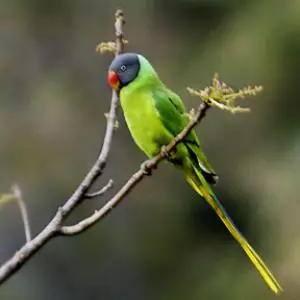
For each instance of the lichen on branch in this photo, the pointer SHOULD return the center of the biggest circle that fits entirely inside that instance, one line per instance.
(223, 96)
(105, 47)
(6, 198)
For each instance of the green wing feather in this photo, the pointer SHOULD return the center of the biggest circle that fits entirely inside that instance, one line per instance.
(172, 113)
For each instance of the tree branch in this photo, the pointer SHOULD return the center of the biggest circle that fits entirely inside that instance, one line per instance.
(53, 227)
(219, 92)
(135, 178)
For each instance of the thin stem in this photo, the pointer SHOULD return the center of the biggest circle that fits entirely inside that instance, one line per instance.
(23, 210)
(101, 192)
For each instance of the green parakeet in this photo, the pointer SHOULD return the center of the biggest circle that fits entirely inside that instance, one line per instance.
(155, 115)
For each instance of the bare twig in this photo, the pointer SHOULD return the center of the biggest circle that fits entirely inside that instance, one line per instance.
(135, 178)
(117, 46)
(18, 195)
(53, 227)
(101, 191)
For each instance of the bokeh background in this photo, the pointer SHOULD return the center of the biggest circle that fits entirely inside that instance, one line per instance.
(163, 241)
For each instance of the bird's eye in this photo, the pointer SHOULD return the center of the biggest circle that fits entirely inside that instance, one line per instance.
(123, 68)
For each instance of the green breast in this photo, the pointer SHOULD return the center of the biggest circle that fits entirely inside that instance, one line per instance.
(143, 121)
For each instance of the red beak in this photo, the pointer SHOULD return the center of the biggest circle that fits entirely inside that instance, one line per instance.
(113, 80)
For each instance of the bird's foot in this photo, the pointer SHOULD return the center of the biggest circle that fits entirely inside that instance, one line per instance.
(168, 154)
(145, 168)
(164, 151)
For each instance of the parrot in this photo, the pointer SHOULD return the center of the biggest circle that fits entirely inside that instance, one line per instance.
(154, 115)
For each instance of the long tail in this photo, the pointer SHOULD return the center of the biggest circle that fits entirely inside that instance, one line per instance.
(205, 191)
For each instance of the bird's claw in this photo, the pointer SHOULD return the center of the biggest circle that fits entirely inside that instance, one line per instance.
(145, 168)
(168, 154)
(164, 151)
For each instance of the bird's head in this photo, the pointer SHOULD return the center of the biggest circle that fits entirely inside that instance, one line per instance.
(123, 70)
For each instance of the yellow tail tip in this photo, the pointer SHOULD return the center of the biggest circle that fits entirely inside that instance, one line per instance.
(259, 264)
(276, 287)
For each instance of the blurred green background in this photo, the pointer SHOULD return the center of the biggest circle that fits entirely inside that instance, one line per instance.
(163, 242)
